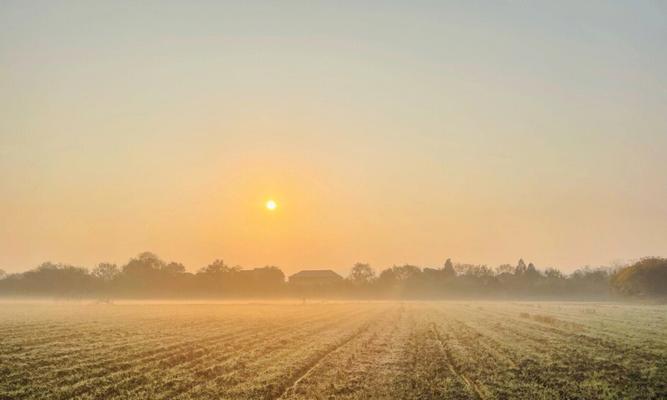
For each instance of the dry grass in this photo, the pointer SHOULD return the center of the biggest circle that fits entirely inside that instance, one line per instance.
(545, 319)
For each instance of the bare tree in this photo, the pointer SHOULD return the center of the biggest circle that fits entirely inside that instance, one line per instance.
(106, 271)
(448, 269)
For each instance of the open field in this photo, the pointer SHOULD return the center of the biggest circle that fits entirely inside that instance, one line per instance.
(415, 350)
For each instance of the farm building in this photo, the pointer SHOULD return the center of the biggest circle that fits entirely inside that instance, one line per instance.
(315, 277)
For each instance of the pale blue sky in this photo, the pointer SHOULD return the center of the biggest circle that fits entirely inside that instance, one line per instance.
(388, 132)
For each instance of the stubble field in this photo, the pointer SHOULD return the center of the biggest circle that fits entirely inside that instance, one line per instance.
(356, 350)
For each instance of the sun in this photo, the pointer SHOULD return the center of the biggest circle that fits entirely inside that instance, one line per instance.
(271, 205)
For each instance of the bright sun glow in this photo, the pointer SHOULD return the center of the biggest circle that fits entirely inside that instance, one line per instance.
(271, 205)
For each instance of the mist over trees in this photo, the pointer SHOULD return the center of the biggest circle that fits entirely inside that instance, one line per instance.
(148, 276)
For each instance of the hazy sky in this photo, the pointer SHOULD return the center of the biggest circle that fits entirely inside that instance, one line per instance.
(386, 132)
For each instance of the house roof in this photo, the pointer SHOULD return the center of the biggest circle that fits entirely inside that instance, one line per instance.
(316, 273)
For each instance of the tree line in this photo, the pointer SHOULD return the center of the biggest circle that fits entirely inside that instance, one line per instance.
(148, 276)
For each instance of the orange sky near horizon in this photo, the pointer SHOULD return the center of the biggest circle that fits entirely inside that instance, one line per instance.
(386, 134)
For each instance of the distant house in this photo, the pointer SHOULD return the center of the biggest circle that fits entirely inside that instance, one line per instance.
(315, 277)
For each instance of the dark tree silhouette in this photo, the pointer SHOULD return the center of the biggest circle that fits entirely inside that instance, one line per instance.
(146, 275)
(520, 267)
(216, 267)
(362, 274)
(448, 269)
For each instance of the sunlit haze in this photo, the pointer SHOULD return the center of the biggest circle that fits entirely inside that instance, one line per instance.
(316, 135)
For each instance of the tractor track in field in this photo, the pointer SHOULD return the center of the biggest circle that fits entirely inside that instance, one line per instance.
(315, 332)
(307, 369)
(452, 366)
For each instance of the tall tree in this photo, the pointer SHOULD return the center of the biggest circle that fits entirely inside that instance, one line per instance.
(216, 267)
(448, 269)
(520, 267)
(173, 268)
(145, 262)
(532, 272)
(647, 277)
(361, 274)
